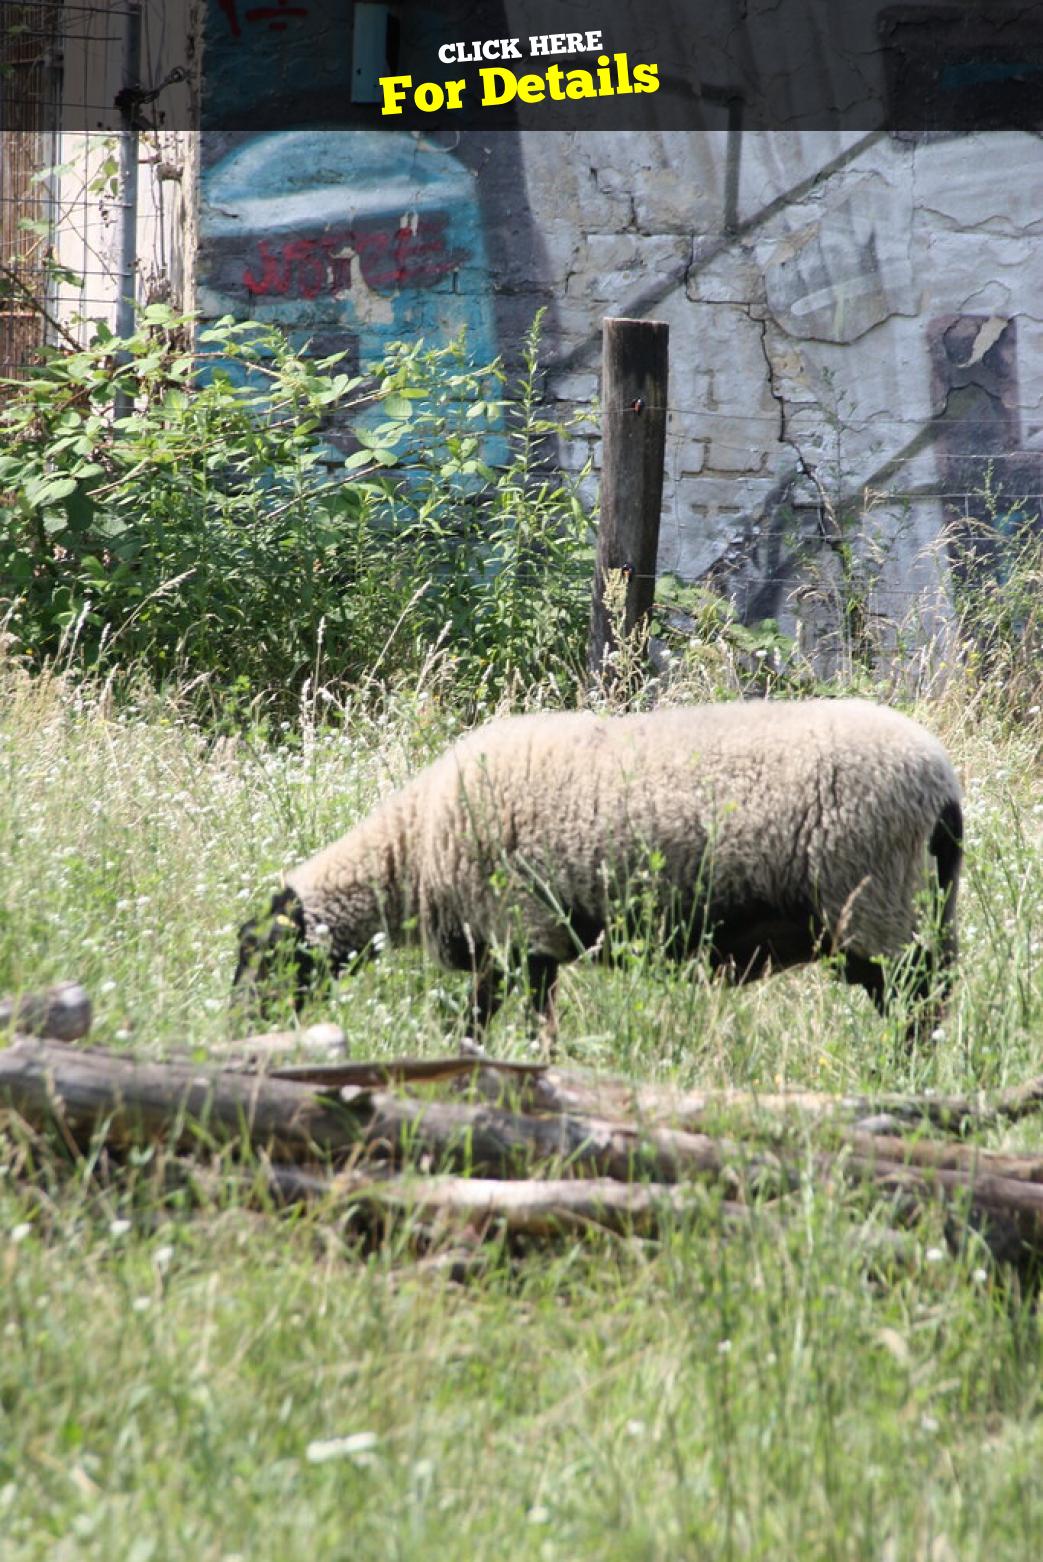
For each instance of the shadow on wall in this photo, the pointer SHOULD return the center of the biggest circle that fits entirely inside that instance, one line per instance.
(991, 486)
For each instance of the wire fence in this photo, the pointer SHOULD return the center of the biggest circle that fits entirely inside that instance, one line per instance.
(62, 205)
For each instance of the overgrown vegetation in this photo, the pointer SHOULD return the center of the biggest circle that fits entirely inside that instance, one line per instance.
(217, 536)
(183, 1374)
(187, 1375)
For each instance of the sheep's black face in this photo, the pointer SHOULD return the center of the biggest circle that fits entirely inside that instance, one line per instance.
(273, 955)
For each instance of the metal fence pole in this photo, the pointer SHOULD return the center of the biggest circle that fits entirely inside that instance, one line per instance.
(128, 175)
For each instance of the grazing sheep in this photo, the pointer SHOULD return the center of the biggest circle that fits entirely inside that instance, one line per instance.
(766, 833)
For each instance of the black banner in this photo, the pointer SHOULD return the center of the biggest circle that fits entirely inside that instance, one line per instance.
(439, 66)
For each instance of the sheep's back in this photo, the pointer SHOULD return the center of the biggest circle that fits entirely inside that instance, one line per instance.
(803, 805)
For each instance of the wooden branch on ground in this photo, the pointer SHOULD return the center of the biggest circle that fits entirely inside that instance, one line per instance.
(91, 1092)
(319, 1042)
(475, 1208)
(532, 1208)
(556, 1090)
(403, 1071)
(88, 1093)
(545, 1088)
(946, 1156)
(92, 1096)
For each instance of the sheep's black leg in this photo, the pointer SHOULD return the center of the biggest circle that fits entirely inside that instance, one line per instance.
(860, 972)
(542, 974)
(490, 989)
(870, 975)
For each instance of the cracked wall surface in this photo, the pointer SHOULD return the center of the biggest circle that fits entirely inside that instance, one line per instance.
(855, 343)
(855, 319)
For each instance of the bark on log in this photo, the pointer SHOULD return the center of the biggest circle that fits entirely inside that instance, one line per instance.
(546, 1088)
(947, 1155)
(88, 1092)
(983, 1189)
(405, 1071)
(545, 1208)
(508, 1144)
(554, 1207)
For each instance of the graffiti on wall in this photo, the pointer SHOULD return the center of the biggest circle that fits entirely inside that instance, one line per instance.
(375, 235)
(275, 17)
(365, 236)
(410, 253)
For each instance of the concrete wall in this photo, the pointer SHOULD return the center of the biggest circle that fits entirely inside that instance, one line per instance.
(87, 236)
(855, 325)
(860, 313)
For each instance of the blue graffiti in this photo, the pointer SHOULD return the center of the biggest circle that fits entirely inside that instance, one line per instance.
(375, 234)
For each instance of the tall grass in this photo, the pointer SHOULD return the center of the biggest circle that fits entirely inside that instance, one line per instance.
(216, 1382)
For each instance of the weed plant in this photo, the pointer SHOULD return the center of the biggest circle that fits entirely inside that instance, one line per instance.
(218, 538)
(187, 1373)
(194, 1376)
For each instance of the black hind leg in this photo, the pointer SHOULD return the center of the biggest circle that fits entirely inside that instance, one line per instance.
(542, 974)
(489, 991)
(860, 972)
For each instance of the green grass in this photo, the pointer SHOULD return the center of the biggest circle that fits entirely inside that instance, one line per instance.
(174, 1380)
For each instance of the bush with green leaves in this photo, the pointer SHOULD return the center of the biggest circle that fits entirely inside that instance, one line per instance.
(217, 531)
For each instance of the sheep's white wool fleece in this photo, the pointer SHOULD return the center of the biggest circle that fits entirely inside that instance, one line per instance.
(788, 802)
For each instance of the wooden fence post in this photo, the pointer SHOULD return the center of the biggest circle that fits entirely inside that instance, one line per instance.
(634, 368)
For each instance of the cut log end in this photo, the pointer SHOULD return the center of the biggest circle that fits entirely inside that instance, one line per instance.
(61, 1013)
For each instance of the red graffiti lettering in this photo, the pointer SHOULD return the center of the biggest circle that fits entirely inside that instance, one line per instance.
(228, 7)
(275, 274)
(305, 266)
(408, 256)
(311, 266)
(274, 15)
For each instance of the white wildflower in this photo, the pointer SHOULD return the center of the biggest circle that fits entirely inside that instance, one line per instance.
(357, 1446)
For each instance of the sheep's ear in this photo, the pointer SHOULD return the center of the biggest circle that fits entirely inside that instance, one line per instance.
(288, 909)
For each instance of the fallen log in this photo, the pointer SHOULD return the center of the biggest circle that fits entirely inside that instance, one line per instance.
(946, 1155)
(556, 1090)
(88, 1093)
(546, 1088)
(544, 1208)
